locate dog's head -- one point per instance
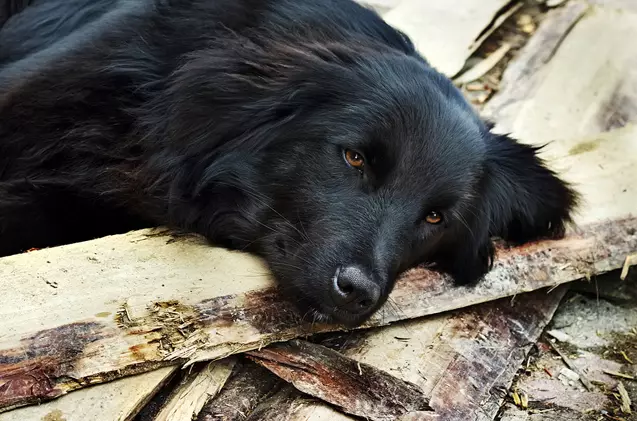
(348, 164)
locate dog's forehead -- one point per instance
(436, 139)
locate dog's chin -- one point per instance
(340, 317)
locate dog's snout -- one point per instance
(353, 290)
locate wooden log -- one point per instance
(357, 388)
(150, 306)
(463, 361)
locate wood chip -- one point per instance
(625, 398)
(631, 260)
(617, 374)
(554, 3)
(249, 385)
(483, 66)
(559, 335)
(582, 378)
(496, 24)
(187, 400)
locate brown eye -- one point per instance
(354, 159)
(433, 217)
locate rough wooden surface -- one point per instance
(119, 400)
(288, 404)
(188, 398)
(444, 31)
(463, 361)
(577, 77)
(357, 388)
(574, 86)
(249, 385)
(150, 304)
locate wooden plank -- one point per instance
(576, 78)
(464, 361)
(586, 116)
(119, 400)
(186, 401)
(149, 304)
(357, 388)
(444, 31)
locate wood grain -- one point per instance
(463, 362)
(119, 400)
(61, 339)
(354, 387)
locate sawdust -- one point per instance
(175, 328)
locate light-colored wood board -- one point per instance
(603, 169)
(186, 401)
(91, 312)
(574, 88)
(464, 361)
(119, 400)
(575, 83)
(630, 5)
(444, 31)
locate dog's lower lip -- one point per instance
(349, 319)
(338, 316)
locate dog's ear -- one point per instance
(526, 200)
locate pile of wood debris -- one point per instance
(172, 329)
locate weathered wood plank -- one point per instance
(444, 31)
(150, 306)
(357, 388)
(188, 398)
(119, 400)
(464, 361)
(568, 84)
(587, 116)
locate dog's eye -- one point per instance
(354, 159)
(433, 217)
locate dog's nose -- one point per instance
(353, 290)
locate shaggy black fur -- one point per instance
(232, 118)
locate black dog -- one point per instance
(308, 132)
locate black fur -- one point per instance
(229, 118)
